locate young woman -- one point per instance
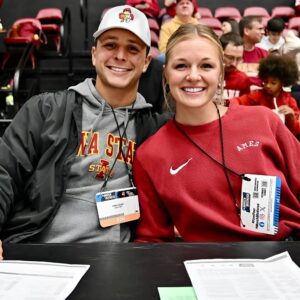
(201, 172)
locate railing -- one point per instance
(19, 70)
(67, 39)
(84, 18)
(67, 52)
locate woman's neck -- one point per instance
(198, 116)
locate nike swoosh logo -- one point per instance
(175, 171)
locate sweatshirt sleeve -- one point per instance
(155, 225)
(18, 155)
(290, 151)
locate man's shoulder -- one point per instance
(261, 51)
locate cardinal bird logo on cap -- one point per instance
(126, 15)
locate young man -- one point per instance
(236, 82)
(63, 148)
(273, 40)
(252, 31)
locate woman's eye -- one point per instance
(180, 66)
(207, 66)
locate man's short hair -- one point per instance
(276, 25)
(231, 37)
(246, 22)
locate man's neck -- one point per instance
(248, 46)
(184, 19)
(117, 97)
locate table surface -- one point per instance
(135, 270)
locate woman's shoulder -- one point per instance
(157, 141)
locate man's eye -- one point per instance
(109, 45)
(133, 49)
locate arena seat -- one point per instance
(294, 23)
(153, 24)
(256, 11)
(205, 12)
(154, 52)
(214, 23)
(284, 12)
(154, 38)
(23, 32)
(224, 12)
(51, 20)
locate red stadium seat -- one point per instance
(224, 12)
(265, 21)
(154, 38)
(256, 11)
(23, 32)
(154, 52)
(294, 23)
(284, 12)
(214, 23)
(205, 12)
(51, 20)
(153, 25)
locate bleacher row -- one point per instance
(214, 19)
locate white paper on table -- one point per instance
(276, 277)
(38, 280)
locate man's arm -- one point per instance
(19, 153)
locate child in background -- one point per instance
(276, 72)
(273, 40)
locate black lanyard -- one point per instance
(223, 163)
(129, 171)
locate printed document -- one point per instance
(38, 280)
(273, 278)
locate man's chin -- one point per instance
(229, 69)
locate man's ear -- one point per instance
(93, 51)
(147, 63)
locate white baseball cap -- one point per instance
(126, 17)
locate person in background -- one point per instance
(192, 171)
(274, 39)
(276, 72)
(170, 6)
(149, 7)
(297, 7)
(291, 47)
(252, 31)
(184, 12)
(230, 25)
(64, 148)
(236, 83)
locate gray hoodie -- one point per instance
(77, 218)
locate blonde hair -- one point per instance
(186, 32)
